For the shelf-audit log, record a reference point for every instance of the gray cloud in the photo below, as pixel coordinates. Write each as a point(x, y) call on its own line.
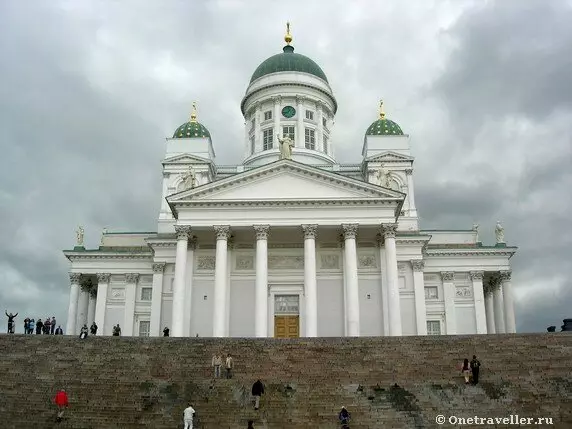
point(89, 91)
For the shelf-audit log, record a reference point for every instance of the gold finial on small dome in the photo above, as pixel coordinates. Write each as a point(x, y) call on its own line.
point(381, 112)
point(288, 36)
point(194, 112)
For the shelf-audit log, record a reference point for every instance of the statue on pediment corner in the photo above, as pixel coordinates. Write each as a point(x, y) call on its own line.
point(383, 177)
point(189, 179)
point(79, 235)
point(499, 233)
point(286, 144)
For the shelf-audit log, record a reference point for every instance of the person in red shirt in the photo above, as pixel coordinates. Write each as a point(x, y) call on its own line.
point(61, 400)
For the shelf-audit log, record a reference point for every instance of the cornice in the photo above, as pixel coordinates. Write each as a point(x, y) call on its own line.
point(471, 252)
point(287, 203)
point(92, 256)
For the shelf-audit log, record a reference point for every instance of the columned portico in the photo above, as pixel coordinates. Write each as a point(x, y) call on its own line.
point(91, 306)
point(82, 307)
point(490, 311)
point(131, 280)
point(102, 288)
point(189, 286)
point(448, 278)
point(73, 302)
point(392, 279)
point(510, 324)
point(221, 277)
point(156, 297)
point(498, 305)
point(352, 291)
point(310, 285)
point(479, 300)
point(177, 324)
point(419, 289)
point(261, 284)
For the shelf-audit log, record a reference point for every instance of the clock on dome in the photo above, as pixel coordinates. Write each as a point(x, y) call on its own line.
point(288, 111)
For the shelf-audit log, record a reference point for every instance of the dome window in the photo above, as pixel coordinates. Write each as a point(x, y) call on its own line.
point(310, 139)
point(267, 138)
point(268, 115)
point(309, 115)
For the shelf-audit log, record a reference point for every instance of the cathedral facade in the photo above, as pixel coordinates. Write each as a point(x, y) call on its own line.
point(291, 243)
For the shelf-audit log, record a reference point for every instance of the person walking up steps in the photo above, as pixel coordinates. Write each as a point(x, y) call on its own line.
point(188, 415)
point(257, 392)
point(475, 366)
point(61, 401)
point(229, 365)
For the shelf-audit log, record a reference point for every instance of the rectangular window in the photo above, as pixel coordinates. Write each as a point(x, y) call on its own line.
point(286, 304)
point(310, 139)
point(325, 144)
point(144, 328)
point(433, 327)
point(267, 138)
point(431, 292)
point(288, 131)
point(268, 115)
point(324, 122)
point(252, 144)
point(146, 293)
point(309, 115)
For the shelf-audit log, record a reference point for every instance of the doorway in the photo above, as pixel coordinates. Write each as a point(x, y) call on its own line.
point(286, 316)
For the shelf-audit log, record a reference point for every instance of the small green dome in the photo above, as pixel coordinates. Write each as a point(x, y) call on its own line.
point(383, 126)
point(192, 129)
point(288, 61)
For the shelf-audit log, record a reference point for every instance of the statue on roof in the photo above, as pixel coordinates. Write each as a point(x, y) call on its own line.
point(499, 233)
point(383, 177)
point(285, 144)
point(189, 179)
point(476, 231)
point(79, 235)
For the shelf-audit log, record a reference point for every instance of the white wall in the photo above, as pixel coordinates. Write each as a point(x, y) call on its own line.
point(371, 323)
point(242, 308)
point(202, 314)
point(330, 307)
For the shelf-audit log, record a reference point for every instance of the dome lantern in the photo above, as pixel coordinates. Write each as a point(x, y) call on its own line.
point(192, 129)
point(383, 126)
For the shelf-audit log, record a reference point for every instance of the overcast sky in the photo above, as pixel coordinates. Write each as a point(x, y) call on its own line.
point(90, 90)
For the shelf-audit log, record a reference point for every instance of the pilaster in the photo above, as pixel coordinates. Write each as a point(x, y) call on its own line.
point(310, 284)
point(101, 302)
point(448, 279)
point(261, 282)
point(350, 253)
point(418, 265)
point(131, 280)
point(479, 300)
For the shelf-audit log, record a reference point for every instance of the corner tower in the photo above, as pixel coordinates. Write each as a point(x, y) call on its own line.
point(288, 94)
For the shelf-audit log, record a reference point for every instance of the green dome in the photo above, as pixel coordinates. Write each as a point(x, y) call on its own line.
point(288, 61)
point(384, 127)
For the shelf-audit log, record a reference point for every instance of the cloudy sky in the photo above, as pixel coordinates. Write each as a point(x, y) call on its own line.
point(89, 91)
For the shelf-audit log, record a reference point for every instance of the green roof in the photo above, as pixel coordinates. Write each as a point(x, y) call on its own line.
point(191, 129)
point(288, 61)
point(384, 127)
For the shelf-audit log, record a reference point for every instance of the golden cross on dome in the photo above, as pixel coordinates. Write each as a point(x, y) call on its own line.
point(381, 112)
point(288, 36)
point(194, 112)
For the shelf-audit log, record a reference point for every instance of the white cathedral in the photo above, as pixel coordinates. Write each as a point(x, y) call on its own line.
point(291, 243)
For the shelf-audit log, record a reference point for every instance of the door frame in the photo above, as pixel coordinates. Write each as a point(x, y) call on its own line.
point(290, 288)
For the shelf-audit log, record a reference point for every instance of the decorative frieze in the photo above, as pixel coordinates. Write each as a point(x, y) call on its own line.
point(206, 263)
point(244, 262)
point(418, 264)
point(447, 276)
point(75, 278)
point(192, 244)
point(401, 269)
point(222, 232)
point(463, 292)
point(103, 277)
point(389, 230)
point(350, 230)
point(409, 171)
point(367, 261)
point(117, 293)
point(430, 278)
point(310, 231)
point(261, 231)
point(131, 277)
point(505, 276)
point(329, 261)
point(183, 232)
point(285, 262)
point(159, 267)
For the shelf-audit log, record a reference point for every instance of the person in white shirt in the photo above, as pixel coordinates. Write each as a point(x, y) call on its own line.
point(188, 416)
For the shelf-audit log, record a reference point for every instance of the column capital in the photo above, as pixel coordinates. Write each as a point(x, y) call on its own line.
point(74, 278)
point(131, 277)
point(380, 240)
point(447, 276)
point(389, 229)
point(409, 171)
point(418, 264)
point(183, 231)
point(261, 231)
point(277, 99)
point(476, 275)
point(350, 230)
point(310, 231)
point(192, 244)
point(159, 267)
point(222, 232)
point(493, 283)
point(505, 276)
point(103, 277)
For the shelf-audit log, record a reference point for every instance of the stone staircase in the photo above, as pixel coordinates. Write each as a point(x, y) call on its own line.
point(127, 383)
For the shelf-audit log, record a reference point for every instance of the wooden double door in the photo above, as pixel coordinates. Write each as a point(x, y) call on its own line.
point(286, 326)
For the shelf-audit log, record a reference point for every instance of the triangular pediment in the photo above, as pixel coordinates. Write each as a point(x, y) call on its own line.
point(286, 180)
point(389, 156)
point(186, 158)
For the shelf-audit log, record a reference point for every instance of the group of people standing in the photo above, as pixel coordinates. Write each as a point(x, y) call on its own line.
point(47, 327)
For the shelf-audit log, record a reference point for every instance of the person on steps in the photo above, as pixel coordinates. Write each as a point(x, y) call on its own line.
point(257, 392)
point(59, 330)
point(116, 331)
point(53, 325)
point(188, 416)
point(216, 364)
point(166, 332)
point(250, 424)
point(475, 365)
point(344, 416)
point(466, 371)
point(93, 328)
point(39, 326)
point(11, 318)
point(61, 400)
point(229, 364)
point(83, 332)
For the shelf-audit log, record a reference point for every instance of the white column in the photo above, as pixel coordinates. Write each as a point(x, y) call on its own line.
point(479, 297)
point(156, 299)
point(257, 127)
point(91, 308)
point(498, 305)
point(261, 284)
point(419, 287)
point(230, 247)
point(189, 287)
point(394, 300)
point(72, 306)
point(510, 323)
point(300, 115)
point(410, 192)
point(219, 310)
point(490, 311)
point(345, 286)
point(383, 281)
point(101, 303)
point(82, 304)
point(130, 296)
point(276, 115)
point(448, 278)
point(178, 316)
point(319, 128)
point(350, 259)
point(310, 284)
